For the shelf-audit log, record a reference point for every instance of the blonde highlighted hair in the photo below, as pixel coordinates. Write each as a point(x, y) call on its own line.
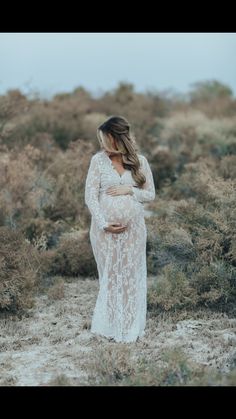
point(118, 128)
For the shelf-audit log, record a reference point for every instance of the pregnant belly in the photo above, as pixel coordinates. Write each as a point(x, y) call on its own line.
point(120, 209)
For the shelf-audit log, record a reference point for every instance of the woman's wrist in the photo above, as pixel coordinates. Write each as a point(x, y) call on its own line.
point(131, 192)
point(106, 225)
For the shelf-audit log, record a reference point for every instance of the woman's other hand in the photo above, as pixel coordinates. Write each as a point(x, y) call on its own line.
point(119, 190)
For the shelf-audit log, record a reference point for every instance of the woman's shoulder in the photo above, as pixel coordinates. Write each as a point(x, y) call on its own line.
point(141, 157)
point(97, 159)
point(96, 155)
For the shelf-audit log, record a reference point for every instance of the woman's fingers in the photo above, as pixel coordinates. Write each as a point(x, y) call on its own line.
point(111, 191)
point(118, 190)
point(119, 229)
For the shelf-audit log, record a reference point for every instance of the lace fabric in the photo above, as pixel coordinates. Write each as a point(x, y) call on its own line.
point(120, 310)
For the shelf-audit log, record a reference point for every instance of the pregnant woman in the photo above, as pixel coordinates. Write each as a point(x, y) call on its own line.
point(118, 182)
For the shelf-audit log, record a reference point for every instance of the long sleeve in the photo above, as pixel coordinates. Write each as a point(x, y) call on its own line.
point(91, 194)
point(147, 193)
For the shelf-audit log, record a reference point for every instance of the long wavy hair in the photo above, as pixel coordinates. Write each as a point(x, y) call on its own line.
point(118, 128)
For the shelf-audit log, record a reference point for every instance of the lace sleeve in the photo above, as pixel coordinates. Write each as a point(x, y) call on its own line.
point(92, 185)
point(147, 193)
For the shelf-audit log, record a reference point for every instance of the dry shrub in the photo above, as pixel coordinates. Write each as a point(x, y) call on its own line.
point(59, 380)
point(227, 167)
point(202, 280)
point(174, 368)
point(213, 282)
point(73, 255)
point(60, 120)
point(57, 290)
point(44, 233)
point(213, 98)
point(111, 365)
point(163, 165)
point(13, 104)
point(191, 135)
point(89, 125)
point(231, 253)
point(46, 260)
point(23, 191)
point(217, 108)
point(19, 271)
point(167, 243)
point(172, 290)
point(216, 198)
point(69, 173)
point(34, 200)
point(114, 367)
point(197, 236)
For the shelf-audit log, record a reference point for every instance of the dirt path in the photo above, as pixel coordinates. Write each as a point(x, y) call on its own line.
point(54, 340)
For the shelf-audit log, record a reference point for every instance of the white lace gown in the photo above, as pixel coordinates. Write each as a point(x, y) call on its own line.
point(120, 311)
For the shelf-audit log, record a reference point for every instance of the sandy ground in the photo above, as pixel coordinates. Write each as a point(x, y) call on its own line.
point(54, 339)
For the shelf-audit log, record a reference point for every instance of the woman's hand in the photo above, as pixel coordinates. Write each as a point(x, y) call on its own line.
point(116, 228)
point(119, 190)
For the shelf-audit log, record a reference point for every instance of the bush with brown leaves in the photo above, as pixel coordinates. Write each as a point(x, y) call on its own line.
point(73, 256)
point(196, 237)
point(19, 271)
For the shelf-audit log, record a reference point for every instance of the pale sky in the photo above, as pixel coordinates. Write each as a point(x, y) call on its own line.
point(52, 63)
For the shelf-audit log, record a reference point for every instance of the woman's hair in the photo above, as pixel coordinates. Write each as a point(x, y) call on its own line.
point(119, 129)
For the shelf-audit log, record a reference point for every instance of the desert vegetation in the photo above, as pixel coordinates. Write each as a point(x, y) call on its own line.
point(190, 142)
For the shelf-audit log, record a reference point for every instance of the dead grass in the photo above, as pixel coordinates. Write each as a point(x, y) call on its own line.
point(56, 291)
point(53, 345)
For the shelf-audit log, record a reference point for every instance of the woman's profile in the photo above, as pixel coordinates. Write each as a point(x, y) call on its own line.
point(118, 182)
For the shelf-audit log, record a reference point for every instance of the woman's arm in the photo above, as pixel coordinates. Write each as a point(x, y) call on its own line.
point(147, 193)
point(92, 185)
